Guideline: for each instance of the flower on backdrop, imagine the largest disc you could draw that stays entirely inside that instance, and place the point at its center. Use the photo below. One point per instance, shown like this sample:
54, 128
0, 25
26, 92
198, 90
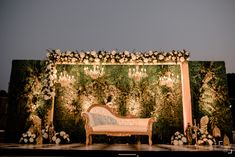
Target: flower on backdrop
178, 139
61, 138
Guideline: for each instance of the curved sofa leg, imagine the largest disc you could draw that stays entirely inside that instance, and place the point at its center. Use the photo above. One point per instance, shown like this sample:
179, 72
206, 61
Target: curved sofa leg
87, 139
90, 139
138, 139
150, 140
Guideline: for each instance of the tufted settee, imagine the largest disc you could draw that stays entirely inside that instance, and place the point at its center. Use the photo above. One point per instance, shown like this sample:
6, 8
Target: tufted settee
100, 120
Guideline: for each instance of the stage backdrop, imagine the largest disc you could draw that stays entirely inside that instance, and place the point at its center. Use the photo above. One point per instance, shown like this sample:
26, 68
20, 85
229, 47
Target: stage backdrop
148, 95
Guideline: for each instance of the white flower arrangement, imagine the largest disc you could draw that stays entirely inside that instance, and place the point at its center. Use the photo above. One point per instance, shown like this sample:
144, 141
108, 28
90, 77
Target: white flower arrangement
45, 134
28, 138
56, 138
61, 138
206, 139
178, 139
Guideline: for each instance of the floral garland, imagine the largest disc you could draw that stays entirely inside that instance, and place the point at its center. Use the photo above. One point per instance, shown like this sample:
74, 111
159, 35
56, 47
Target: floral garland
105, 57
86, 57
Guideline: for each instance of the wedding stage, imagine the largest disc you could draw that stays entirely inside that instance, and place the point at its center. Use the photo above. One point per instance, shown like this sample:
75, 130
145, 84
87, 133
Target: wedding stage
188, 100
122, 150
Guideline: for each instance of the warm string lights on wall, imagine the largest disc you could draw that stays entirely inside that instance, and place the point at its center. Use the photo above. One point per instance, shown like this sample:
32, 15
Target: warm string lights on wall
137, 73
94, 72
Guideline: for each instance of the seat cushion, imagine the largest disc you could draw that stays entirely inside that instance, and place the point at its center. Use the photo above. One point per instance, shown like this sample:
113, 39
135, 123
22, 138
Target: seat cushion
119, 128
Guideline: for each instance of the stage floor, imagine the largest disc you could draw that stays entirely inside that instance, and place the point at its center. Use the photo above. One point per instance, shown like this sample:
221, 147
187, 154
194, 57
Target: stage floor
117, 150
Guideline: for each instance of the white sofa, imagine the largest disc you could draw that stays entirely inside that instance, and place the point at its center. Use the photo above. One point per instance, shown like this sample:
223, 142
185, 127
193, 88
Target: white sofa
100, 120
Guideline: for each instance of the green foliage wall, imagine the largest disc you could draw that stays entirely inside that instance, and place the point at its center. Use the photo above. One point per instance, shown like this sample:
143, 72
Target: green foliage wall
209, 93
146, 97
24, 93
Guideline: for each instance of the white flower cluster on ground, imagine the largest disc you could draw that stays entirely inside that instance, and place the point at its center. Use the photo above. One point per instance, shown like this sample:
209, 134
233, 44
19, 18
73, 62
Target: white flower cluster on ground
178, 139
45, 132
61, 138
206, 139
28, 138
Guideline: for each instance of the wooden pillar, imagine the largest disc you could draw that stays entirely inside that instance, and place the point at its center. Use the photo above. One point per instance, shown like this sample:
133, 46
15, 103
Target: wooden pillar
186, 95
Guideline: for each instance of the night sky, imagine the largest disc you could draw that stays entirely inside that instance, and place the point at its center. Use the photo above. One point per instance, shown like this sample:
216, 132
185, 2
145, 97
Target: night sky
206, 28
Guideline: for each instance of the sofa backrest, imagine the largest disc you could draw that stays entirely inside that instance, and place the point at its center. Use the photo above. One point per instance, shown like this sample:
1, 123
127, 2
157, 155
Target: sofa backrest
100, 109
100, 115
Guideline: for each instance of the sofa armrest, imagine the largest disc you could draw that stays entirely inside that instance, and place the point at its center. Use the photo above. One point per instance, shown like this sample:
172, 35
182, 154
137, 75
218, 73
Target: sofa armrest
85, 116
87, 119
150, 123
